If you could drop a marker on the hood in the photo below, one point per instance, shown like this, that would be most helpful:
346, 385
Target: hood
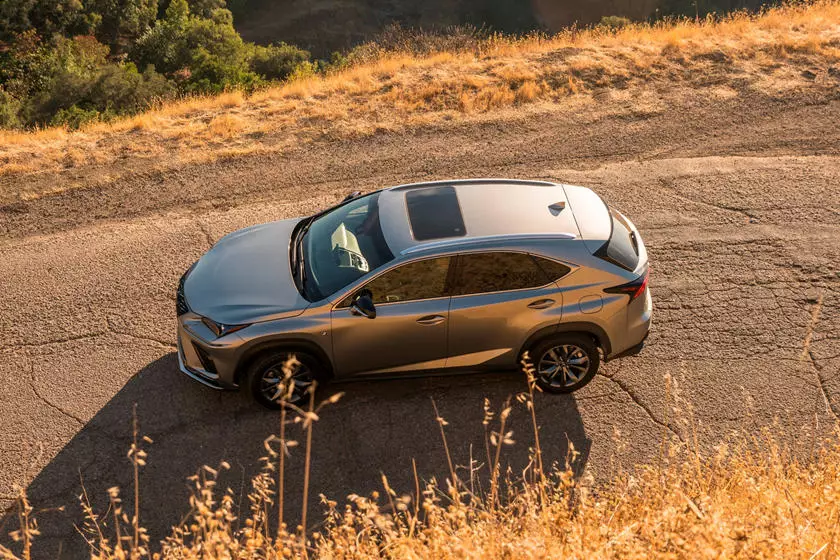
246, 277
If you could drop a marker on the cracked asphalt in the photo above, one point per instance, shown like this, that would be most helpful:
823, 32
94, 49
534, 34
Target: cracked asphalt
739, 207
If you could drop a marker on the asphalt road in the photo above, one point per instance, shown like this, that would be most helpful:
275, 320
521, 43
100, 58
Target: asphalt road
740, 209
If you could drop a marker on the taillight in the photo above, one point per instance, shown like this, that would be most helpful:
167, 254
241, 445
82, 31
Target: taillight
634, 288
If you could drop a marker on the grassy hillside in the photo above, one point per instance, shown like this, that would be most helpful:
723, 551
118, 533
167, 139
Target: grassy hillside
635, 71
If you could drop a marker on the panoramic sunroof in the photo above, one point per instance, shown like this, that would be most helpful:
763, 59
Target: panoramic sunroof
434, 213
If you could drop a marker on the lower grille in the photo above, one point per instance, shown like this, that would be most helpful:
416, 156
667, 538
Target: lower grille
206, 362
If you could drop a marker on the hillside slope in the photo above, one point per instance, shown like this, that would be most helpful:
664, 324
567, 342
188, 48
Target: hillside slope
637, 72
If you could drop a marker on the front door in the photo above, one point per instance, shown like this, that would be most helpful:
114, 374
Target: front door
410, 329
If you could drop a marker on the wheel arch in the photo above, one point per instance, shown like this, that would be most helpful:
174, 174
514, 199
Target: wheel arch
591, 329
289, 344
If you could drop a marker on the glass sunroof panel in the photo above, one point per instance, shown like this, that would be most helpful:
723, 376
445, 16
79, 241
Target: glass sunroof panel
434, 213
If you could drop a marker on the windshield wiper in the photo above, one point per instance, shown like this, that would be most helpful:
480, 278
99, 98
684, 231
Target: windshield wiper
301, 265
298, 264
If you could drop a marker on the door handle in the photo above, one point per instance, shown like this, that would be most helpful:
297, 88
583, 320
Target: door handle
431, 320
541, 304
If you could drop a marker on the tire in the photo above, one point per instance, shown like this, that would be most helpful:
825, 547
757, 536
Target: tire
270, 366
575, 358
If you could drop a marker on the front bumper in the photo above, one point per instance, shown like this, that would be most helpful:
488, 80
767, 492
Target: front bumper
210, 366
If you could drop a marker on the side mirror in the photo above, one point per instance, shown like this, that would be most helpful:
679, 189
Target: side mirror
363, 305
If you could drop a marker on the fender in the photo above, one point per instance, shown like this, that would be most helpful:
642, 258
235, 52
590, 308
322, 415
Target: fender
279, 344
597, 332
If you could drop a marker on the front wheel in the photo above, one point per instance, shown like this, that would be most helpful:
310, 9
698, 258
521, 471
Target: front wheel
564, 363
283, 375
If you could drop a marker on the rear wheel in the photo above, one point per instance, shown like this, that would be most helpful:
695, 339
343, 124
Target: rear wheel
564, 363
284, 374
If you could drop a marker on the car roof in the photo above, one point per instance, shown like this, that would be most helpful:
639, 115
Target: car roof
450, 214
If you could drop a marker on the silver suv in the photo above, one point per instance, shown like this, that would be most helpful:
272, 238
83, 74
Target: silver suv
453, 276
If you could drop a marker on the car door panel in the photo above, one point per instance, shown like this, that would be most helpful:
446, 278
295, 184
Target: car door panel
498, 299
402, 337
489, 329
411, 325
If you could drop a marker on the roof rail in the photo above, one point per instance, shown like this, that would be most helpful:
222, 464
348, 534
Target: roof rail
454, 242
487, 181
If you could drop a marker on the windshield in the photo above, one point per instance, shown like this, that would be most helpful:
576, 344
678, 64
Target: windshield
343, 245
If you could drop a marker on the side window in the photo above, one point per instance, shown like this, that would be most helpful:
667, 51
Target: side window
553, 269
424, 279
496, 272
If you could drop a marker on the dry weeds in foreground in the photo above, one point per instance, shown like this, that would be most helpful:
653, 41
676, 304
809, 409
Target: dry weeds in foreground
786, 49
750, 499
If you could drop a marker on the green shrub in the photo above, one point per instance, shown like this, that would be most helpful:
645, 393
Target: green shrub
277, 62
9, 110
121, 89
73, 117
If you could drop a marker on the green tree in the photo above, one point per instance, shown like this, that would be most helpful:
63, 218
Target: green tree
177, 13
123, 21
71, 81
71, 61
205, 8
162, 45
47, 17
205, 54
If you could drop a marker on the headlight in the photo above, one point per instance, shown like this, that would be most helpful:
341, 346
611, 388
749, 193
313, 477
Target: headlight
219, 329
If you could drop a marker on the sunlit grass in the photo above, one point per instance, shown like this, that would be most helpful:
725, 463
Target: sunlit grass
751, 496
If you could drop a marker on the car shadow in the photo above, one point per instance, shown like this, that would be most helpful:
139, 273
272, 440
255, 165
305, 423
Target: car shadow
377, 427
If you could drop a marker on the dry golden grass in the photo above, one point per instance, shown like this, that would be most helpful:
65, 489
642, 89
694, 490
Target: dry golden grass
749, 498
766, 53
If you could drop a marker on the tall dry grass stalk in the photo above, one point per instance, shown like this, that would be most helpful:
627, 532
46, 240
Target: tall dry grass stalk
390, 91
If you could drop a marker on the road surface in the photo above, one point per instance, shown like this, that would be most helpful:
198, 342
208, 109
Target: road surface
738, 203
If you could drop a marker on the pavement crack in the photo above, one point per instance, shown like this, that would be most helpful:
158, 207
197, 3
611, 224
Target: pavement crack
670, 189
46, 401
642, 405
808, 356
206, 233
54, 341
113, 330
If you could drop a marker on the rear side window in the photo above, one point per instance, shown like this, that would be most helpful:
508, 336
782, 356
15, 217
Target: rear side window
622, 248
552, 269
479, 273
424, 279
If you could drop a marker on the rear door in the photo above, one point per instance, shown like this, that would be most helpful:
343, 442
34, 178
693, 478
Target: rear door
410, 329
498, 299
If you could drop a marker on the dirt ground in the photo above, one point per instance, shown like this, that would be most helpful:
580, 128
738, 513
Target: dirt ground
738, 202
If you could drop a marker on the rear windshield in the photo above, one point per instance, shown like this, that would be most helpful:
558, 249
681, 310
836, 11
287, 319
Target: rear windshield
622, 248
